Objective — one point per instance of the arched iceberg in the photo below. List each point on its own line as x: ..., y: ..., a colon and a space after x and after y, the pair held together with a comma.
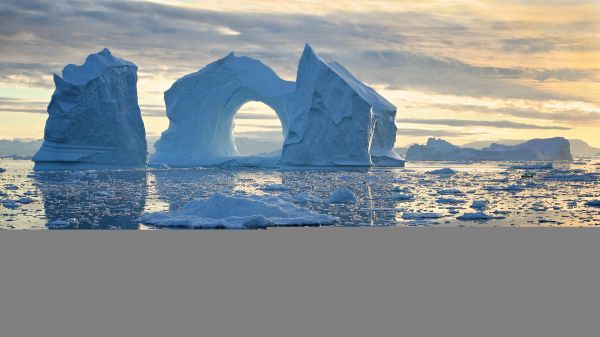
x: 328, y: 117
x: 201, y: 108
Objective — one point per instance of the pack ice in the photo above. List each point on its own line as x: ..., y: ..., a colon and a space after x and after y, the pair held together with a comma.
x: 328, y: 117
x: 94, y: 117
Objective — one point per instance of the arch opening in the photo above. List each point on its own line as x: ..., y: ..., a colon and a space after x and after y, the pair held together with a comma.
x: 257, y: 130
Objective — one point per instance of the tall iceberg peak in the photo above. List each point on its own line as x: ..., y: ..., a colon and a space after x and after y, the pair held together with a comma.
x: 93, y: 116
x: 337, y: 120
x: 93, y: 67
x: 201, y: 108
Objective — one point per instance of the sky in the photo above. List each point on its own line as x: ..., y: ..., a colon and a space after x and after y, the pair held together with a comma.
x: 460, y: 70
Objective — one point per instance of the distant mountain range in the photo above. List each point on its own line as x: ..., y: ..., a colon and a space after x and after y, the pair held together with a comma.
x: 19, y: 148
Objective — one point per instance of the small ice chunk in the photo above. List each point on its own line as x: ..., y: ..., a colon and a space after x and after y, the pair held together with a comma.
x: 479, y: 205
x: 444, y: 171
x: 593, y: 203
x: 451, y: 191
x: 25, y: 200
x: 305, y: 197
x: 449, y: 201
x: 481, y: 216
x: 342, y: 196
x: 77, y: 175
x: 403, y: 196
x: 420, y: 215
x: 274, y: 187
x: 57, y: 224
x: 10, y: 204
x: 401, y: 189
x: 513, y: 188
x: 102, y: 194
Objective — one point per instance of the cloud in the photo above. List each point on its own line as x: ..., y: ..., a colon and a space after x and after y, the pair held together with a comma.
x: 570, y: 116
x: 494, y: 124
x: 450, y: 76
x: 169, y: 41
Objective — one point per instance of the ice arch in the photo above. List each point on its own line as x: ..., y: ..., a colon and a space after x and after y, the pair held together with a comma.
x: 257, y: 130
x: 201, y: 107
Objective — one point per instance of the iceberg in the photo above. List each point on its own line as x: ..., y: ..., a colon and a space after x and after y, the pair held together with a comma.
x: 93, y: 116
x: 337, y: 120
x: 249, y: 211
x: 557, y: 148
x: 201, y: 108
x: 328, y: 117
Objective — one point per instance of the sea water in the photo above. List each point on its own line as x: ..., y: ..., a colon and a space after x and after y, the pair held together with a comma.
x: 409, y: 196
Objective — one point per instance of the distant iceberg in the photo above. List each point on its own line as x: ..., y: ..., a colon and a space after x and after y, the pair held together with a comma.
x: 93, y: 117
x: 533, y: 150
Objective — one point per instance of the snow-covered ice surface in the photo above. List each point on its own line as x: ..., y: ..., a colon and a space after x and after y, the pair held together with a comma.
x: 566, y: 195
x: 238, y: 211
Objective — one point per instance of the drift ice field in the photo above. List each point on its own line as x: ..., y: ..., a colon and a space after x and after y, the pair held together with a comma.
x: 337, y: 165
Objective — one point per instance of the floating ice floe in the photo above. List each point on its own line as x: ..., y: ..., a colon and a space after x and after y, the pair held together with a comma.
x: 542, y: 166
x: 513, y: 188
x: 10, y: 204
x: 274, y: 187
x: 25, y: 200
x: 57, y: 224
x: 420, y: 215
x: 593, y: 203
x: 450, y: 201
x: 401, y: 189
x: 442, y: 172
x: 253, y: 211
x: 342, y: 196
x: 479, y: 205
x: 451, y: 191
x: 481, y: 216
x: 402, y: 196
